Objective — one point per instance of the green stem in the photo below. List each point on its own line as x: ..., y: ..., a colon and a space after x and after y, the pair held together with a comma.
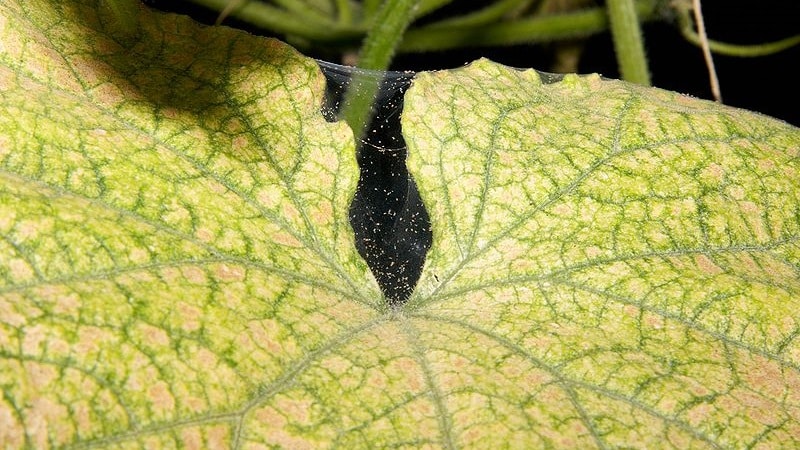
x: 628, y: 41
x: 538, y: 29
x: 379, y: 47
x: 739, y: 50
x: 302, y: 9
x: 280, y: 21
x: 748, y: 51
x: 429, y: 6
x: 371, y: 8
x: 483, y: 16
x: 344, y: 11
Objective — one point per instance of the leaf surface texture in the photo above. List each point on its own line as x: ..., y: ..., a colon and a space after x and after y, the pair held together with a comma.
x: 611, y: 265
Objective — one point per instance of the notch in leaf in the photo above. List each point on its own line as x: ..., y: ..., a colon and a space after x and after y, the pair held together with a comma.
x: 392, y: 228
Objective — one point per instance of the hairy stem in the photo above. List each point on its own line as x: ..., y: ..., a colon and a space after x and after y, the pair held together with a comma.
x: 628, y: 41
x: 701, y: 31
x: 429, y: 6
x: 739, y: 50
x: 389, y: 24
x: 547, y: 28
x: 344, y: 11
x: 484, y: 16
x: 312, y: 27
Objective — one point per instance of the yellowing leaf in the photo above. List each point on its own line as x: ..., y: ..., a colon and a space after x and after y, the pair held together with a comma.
x: 611, y: 266
x: 174, y: 239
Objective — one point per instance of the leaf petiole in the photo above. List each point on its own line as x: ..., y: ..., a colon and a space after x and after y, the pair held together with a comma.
x: 538, y: 29
x: 389, y: 24
x: 312, y: 27
x: 725, y: 48
x: 628, y: 41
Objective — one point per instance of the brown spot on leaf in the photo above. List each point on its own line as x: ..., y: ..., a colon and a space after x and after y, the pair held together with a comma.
x: 322, y: 213
x: 40, y: 375
x: 269, y: 417
x: 411, y: 370
x: 33, y: 338
x: 170, y: 112
x: 20, y: 270
x: 154, y: 336
x: 766, y: 164
x: 90, y: 338
x: 170, y: 274
x: 299, y: 411
x: 337, y: 365
x: 161, y: 398
x: 761, y: 409
x: 706, y: 265
x: 263, y: 333
x: 204, y: 235
x: 217, y: 437
x: 138, y: 255
x: 654, y: 321
x: 765, y: 377
x: 82, y: 417
x: 239, y: 143
x: 47, y: 423
x: 716, y: 171
x: 194, y: 275
x: 736, y: 192
x: 7, y: 219
x: 699, y: 414
x: 192, y: 439
x: 9, y: 314
x: 225, y: 272
x: 190, y: 316
x: 284, y: 238
x: 631, y: 310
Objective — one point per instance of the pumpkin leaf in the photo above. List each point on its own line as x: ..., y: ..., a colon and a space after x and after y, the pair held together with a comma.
x: 623, y: 263
x: 611, y: 265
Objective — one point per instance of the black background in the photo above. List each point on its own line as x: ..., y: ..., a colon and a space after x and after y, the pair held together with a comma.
x: 391, y: 225
x: 765, y: 84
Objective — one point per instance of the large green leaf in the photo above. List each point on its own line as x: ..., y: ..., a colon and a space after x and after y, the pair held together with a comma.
x: 611, y: 266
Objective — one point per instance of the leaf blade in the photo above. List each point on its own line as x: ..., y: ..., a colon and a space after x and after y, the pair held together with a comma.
x: 174, y: 229
x: 613, y: 234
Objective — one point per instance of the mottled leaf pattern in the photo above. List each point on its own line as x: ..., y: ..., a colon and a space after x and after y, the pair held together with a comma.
x: 611, y: 266
x: 623, y: 262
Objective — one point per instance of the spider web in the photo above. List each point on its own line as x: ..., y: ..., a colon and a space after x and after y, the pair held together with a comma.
x: 392, y: 228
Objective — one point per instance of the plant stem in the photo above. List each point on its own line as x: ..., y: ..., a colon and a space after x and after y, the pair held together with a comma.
x: 280, y: 21
x: 371, y: 7
x: 746, y: 51
x: 483, y: 16
x: 628, y: 41
x: 428, y: 6
x: 740, y: 50
x: 344, y: 11
x: 389, y: 24
x: 546, y: 28
x: 301, y: 9
x: 701, y: 31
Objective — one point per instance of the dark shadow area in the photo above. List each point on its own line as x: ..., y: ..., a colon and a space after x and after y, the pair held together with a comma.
x: 392, y: 228
x: 761, y: 84
x: 182, y: 73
